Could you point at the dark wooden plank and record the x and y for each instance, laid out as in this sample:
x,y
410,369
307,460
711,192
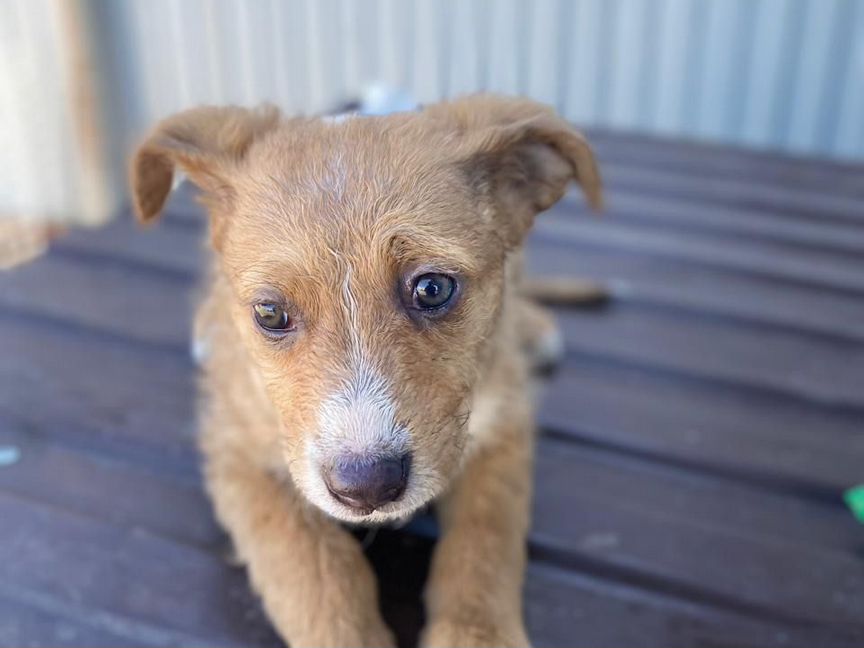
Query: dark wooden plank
x,y
816,268
159,586
823,372
818,175
739,297
81,387
122,492
174,252
601,479
116,298
725,429
637,523
731,224
41,622
567,609
733,193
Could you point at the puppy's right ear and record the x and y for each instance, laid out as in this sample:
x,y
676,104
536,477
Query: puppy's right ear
x,y
207,143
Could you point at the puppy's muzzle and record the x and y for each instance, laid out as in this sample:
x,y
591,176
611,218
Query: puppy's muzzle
x,y
366,484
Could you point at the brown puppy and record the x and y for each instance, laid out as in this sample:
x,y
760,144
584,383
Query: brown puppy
x,y
363,319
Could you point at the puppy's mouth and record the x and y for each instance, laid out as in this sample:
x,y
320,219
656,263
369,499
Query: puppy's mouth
x,y
392,513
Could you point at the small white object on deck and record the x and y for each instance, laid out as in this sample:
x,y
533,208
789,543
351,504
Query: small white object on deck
x,y
9,455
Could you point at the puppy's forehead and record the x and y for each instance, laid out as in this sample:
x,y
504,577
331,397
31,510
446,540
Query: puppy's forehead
x,y
353,187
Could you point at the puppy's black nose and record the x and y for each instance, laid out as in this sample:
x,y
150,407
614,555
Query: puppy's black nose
x,y
365,484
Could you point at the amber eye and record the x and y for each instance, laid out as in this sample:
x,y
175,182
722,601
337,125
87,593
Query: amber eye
x,y
272,317
433,290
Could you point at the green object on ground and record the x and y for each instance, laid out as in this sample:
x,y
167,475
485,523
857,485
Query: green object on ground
x,y
855,501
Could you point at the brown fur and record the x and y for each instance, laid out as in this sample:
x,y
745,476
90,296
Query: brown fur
x,y
332,218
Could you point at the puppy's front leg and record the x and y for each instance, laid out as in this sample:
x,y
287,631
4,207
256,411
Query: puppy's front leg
x,y
316,585
474,594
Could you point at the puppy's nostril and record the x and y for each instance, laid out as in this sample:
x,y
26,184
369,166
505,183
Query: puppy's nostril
x,y
366,484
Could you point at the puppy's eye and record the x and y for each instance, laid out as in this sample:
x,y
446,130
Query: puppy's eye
x,y
272,317
433,290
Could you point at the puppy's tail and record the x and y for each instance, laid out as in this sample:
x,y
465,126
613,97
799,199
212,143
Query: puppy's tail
x,y
565,291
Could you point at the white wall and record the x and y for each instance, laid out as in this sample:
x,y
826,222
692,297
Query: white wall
x,y
785,74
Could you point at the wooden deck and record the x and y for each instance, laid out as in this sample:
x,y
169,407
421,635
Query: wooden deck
x,y
693,452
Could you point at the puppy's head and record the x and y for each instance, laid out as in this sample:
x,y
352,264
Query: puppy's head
x,y
366,260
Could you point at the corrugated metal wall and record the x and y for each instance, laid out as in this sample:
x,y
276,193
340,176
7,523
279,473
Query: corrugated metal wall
x,y
785,74
782,74
56,133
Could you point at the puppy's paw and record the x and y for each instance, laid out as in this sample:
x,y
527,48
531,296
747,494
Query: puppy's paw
x,y
446,633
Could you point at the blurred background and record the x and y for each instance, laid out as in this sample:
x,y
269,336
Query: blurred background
x,y
81,79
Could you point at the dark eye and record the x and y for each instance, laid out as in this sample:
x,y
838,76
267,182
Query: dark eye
x,y
433,290
272,317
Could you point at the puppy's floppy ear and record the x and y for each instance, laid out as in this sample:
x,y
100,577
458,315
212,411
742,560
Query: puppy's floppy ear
x,y
205,142
523,155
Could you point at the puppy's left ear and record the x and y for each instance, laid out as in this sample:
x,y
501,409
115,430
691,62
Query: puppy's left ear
x,y
524,156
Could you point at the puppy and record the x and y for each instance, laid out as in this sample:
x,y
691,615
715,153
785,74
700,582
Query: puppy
x,y
363,316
